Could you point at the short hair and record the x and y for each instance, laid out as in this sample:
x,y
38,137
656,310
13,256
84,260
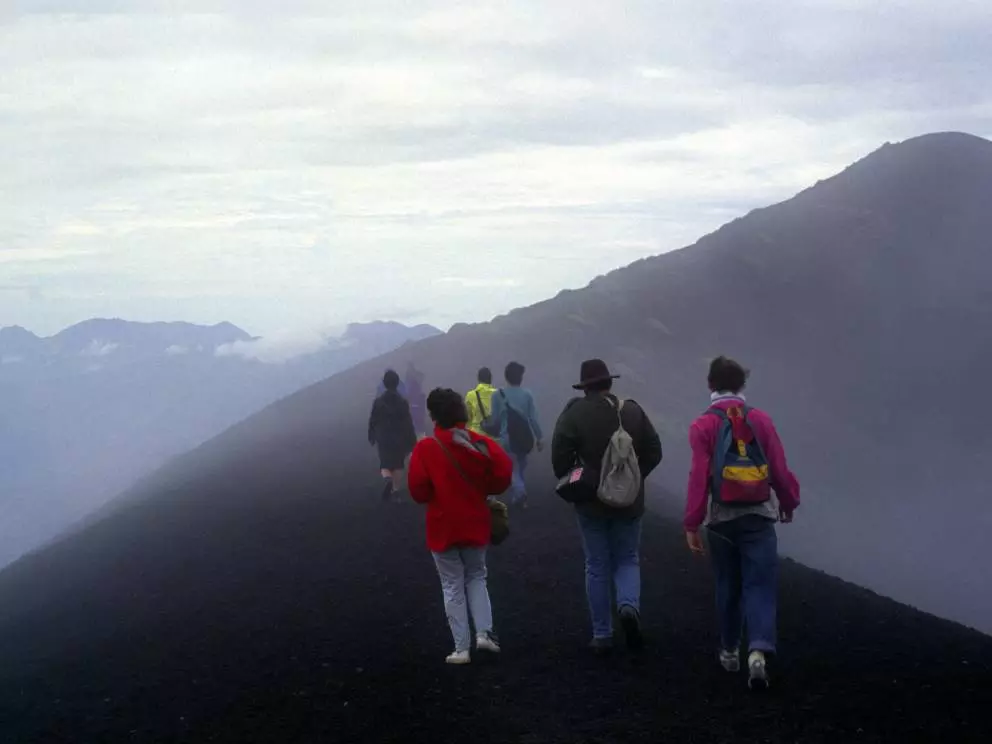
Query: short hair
x,y
486,376
727,376
447,408
514,373
390,380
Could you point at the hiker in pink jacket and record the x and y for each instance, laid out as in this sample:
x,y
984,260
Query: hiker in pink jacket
x,y
739,486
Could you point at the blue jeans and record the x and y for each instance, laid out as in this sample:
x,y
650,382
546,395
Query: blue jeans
x,y
612,548
744,554
518,488
466,594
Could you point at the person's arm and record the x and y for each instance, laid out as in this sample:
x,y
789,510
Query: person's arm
x,y
373,422
418,479
699,474
783,480
535,425
648,449
564,444
474,414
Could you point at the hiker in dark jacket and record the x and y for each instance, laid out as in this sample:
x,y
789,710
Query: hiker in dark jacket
x,y
391,429
610,536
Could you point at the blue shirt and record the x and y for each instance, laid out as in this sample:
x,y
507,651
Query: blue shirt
x,y
522,401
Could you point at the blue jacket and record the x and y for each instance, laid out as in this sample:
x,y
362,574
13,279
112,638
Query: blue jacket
x,y
522,401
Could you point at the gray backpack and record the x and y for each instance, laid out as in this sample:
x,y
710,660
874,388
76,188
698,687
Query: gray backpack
x,y
620,476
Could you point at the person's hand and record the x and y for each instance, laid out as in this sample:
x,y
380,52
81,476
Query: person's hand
x,y
695,543
784,516
540,445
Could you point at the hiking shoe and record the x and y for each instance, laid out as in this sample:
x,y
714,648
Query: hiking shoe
x,y
459,658
757,670
602,646
487,642
630,619
387,490
730,660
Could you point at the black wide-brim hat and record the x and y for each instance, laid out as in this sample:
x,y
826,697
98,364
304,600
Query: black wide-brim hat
x,y
593,371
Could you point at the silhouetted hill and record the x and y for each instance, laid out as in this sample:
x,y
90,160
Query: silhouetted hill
x,y
211,599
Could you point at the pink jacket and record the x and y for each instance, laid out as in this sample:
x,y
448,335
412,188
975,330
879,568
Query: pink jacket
x,y
702,439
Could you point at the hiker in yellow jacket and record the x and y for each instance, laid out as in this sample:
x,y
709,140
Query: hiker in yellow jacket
x,y
479,402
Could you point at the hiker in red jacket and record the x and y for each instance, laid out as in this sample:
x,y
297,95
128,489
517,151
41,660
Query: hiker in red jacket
x,y
739,486
454,473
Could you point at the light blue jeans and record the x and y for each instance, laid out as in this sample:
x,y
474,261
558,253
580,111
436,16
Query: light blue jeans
x,y
612,548
463,584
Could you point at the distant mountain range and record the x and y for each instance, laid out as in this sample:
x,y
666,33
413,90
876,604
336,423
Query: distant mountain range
x,y
86,411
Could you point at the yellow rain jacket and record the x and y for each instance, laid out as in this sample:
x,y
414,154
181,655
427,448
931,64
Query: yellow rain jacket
x,y
476,414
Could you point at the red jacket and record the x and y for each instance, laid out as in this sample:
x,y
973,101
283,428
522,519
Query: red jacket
x,y
702,438
457,512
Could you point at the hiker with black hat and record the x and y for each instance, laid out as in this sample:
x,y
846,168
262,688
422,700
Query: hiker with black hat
x,y
594,432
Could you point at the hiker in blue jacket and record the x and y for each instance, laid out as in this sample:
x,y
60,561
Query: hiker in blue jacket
x,y
519,429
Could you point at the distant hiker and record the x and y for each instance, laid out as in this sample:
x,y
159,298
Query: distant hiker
x,y
391,428
739,486
479,401
401,388
454,473
515,414
416,398
596,430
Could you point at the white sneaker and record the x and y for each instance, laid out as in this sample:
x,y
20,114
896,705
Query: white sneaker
x,y
758,673
459,657
487,642
730,660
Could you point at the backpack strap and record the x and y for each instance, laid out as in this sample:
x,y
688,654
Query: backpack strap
x,y
453,461
482,408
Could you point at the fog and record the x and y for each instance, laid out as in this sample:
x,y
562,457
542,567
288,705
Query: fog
x,y
93,408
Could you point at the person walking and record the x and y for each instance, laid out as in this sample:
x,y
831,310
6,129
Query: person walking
x,y
479,401
391,430
515,415
414,394
740,485
610,535
454,473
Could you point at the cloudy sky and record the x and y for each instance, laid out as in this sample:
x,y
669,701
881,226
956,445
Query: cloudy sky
x,y
288,164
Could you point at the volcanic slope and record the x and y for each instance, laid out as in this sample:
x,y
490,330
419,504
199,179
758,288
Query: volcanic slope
x,y
205,606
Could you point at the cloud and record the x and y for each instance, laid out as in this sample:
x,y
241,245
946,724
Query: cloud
x,y
177,350
282,346
294,163
99,349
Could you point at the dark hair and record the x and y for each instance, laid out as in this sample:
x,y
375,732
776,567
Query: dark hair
x,y
726,376
514,373
486,375
390,380
447,408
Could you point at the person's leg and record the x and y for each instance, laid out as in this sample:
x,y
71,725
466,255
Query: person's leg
x,y
596,544
726,560
759,570
625,550
452,572
517,487
522,480
477,590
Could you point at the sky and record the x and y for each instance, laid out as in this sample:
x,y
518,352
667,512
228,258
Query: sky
x,y
291,165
